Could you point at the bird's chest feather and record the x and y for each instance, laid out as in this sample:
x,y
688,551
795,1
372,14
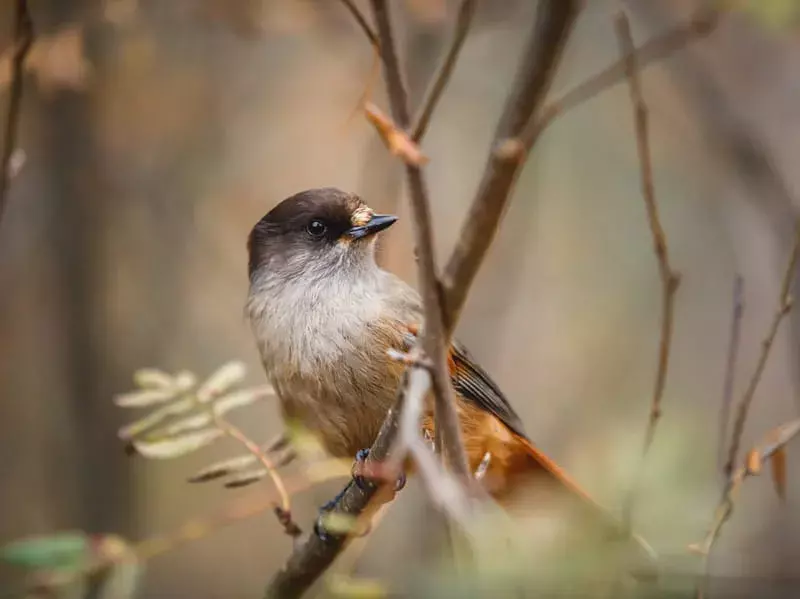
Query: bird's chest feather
x,y
324,350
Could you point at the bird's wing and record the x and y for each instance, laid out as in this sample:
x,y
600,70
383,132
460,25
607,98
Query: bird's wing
x,y
474,384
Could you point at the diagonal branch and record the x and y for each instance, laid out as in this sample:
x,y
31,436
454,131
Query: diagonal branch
x,y
730,365
465,13
775,441
554,21
361,20
784,305
669,278
434,338
703,23
23,39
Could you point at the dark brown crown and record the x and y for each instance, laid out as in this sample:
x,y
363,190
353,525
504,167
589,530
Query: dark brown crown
x,y
285,225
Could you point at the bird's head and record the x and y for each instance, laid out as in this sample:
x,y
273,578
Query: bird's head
x,y
315,233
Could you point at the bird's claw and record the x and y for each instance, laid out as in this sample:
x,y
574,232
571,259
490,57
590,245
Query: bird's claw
x,y
364,482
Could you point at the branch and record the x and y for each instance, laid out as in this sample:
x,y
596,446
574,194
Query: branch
x,y
784,305
443,487
434,339
552,26
730,364
362,22
775,441
283,511
700,25
669,278
465,13
311,559
23,39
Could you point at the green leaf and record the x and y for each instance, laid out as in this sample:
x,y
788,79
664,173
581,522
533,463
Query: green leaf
x,y
153,378
776,14
122,578
142,425
185,425
185,380
338,523
246,478
63,550
239,399
144,397
164,449
223,468
223,379
355,588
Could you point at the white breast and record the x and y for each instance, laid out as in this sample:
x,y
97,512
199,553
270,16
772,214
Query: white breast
x,y
299,325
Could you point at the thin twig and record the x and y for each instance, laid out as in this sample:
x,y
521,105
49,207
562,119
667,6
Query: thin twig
x,y
730,366
465,13
698,26
784,305
310,560
366,94
443,488
23,39
362,22
774,442
669,278
434,339
552,26
283,511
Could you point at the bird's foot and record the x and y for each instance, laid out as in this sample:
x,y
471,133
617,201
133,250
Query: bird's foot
x,y
364,482
362,477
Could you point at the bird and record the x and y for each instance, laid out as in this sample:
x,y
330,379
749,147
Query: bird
x,y
325,316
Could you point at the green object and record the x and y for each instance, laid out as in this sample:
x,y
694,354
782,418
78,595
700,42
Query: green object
x,y
55,551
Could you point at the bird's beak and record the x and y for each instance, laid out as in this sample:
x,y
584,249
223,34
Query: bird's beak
x,y
377,223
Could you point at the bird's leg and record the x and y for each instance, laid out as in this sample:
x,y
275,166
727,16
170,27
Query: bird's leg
x,y
362,477
364,481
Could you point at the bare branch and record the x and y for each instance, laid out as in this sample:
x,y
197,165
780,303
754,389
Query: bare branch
x,y
700,25
465,13
362,22
553,23
310,560
23,39
443,488
434,339
283,511
730,365
784,305
669,278
772,444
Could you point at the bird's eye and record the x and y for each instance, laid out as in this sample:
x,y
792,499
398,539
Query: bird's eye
x,y
316,228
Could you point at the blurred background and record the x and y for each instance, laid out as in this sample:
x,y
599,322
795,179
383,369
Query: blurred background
x,y
157,132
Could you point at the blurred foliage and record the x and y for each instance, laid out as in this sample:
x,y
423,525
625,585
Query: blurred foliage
x,y
778,14
75,565
190,411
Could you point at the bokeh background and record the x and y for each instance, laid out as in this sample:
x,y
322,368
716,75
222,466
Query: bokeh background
x,y
157,132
